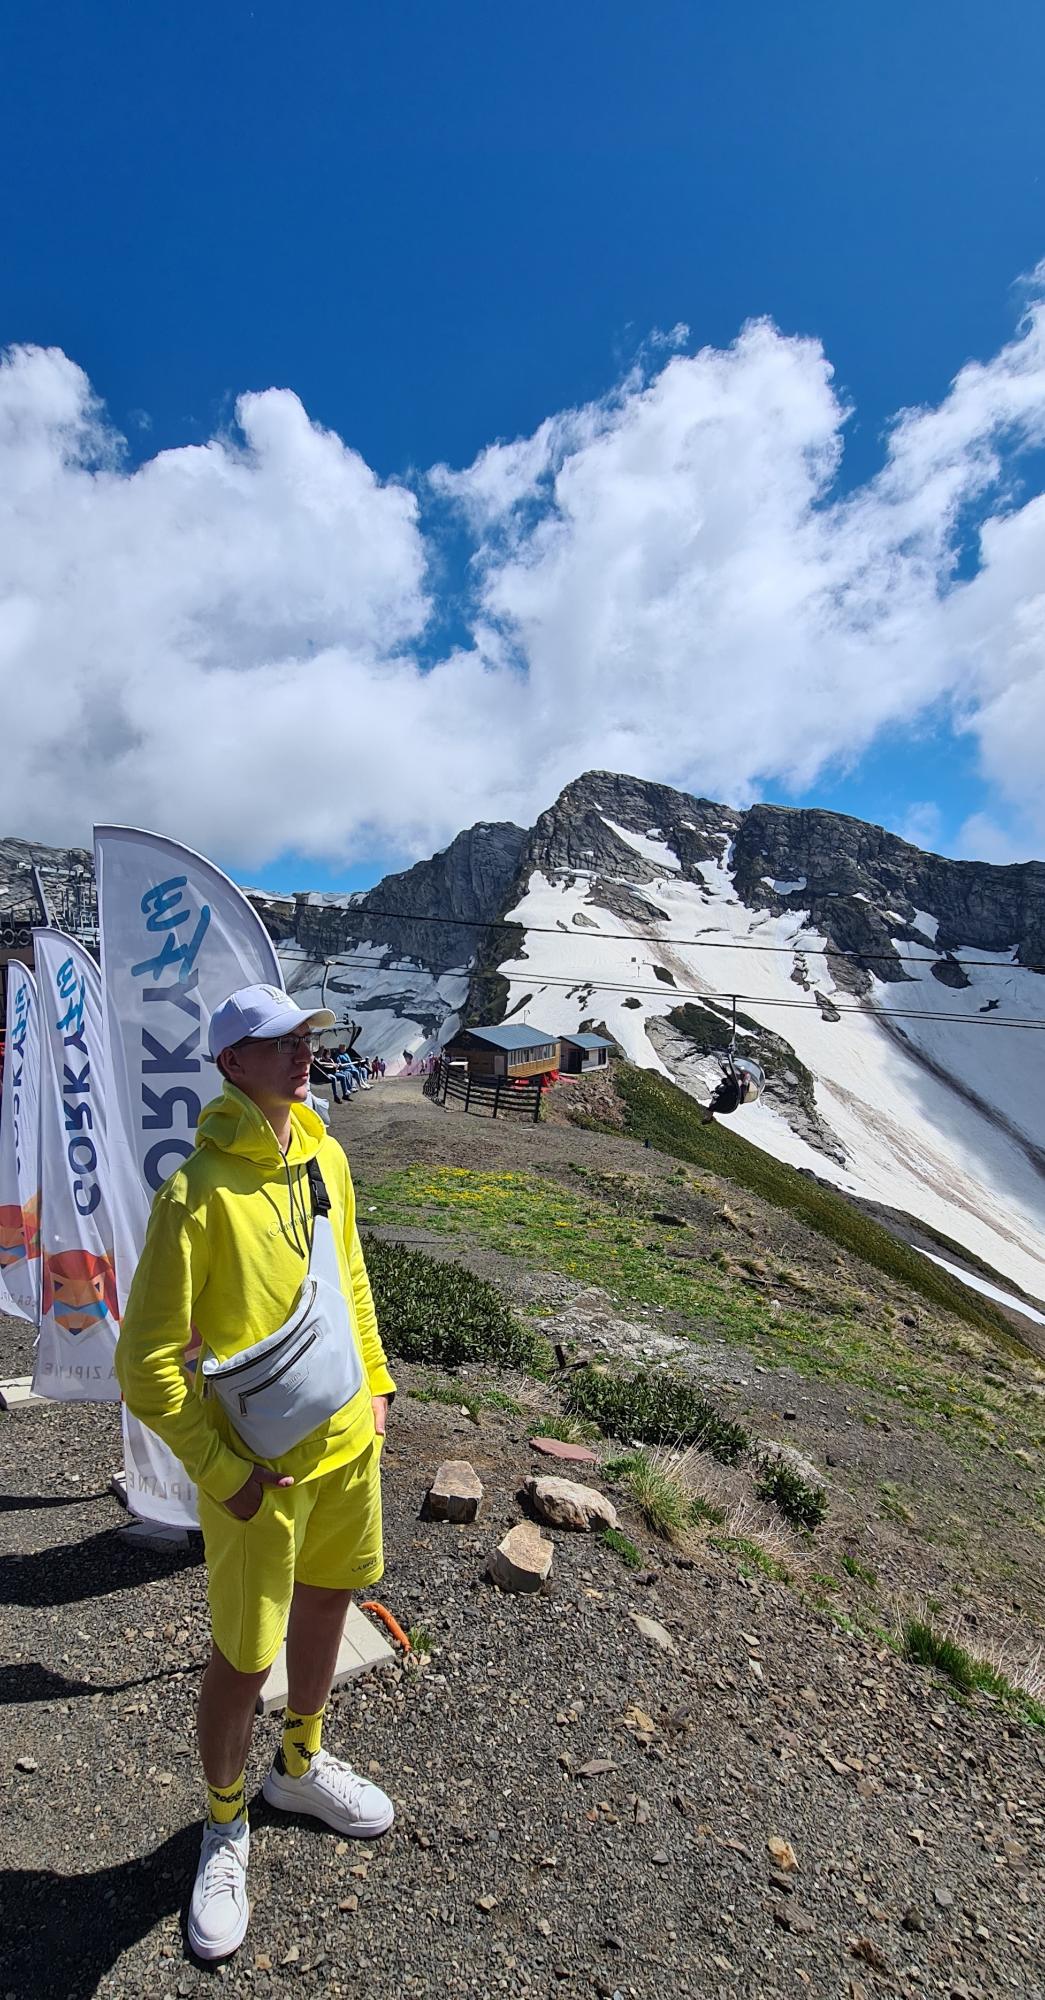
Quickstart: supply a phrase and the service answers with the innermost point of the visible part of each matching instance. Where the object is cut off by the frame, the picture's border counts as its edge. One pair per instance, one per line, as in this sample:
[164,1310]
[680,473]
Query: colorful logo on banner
[77,1091]
[19,1233]
[16,1041]
[79,1288]
[177,938]
[19,1149]
[78,1304]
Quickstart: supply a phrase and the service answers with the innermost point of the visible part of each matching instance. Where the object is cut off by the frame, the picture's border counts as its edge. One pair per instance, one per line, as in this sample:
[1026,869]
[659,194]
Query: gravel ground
[918,1823]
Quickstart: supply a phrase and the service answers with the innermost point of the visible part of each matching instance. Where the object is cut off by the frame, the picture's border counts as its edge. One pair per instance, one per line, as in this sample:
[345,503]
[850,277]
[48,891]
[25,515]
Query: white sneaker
[219,1912]
[331,1791]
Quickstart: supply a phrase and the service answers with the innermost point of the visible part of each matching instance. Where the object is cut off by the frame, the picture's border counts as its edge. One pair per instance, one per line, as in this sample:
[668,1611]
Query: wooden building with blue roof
[580,1053]
[507,1051]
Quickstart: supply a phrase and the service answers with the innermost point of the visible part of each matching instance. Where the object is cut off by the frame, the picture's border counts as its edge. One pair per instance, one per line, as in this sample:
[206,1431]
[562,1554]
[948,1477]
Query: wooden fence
[494,1097]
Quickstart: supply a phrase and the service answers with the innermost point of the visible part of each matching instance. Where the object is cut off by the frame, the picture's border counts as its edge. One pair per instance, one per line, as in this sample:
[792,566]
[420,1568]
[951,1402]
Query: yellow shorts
[326,1532]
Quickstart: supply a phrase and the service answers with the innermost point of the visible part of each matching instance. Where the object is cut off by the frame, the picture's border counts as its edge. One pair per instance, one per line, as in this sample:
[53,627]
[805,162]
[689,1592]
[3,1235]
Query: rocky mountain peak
[835,861]
[406,914]
[577,832]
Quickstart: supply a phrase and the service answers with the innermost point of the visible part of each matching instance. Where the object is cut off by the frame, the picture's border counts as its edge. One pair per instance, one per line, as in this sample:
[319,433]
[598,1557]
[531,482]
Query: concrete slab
[362,1649]
[152,1535]
[18,1394]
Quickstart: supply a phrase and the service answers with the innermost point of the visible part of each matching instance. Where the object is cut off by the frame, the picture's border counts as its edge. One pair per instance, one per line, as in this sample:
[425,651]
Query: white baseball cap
[259,1014]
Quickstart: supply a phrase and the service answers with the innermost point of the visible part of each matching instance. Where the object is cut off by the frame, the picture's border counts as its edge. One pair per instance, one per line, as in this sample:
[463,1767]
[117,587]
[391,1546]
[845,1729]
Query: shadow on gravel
[67,1931]
[94,1567]
[34,1682]
[17,1503]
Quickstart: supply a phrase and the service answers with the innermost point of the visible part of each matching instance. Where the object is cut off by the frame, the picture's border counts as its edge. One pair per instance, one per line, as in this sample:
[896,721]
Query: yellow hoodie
[225,1255]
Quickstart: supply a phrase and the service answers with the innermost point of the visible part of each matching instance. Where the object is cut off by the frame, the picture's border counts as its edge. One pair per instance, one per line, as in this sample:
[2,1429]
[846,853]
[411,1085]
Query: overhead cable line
[704,943]
[663,992]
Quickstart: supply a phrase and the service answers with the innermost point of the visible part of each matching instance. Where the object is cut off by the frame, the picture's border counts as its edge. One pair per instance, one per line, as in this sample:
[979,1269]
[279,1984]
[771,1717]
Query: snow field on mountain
[911,1141]
[1004,1067]
[356,986]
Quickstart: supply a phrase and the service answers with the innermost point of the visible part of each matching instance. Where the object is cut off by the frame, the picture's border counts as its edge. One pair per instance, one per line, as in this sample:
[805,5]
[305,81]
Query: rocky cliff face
[407,914]
[469,881]
[863,887]
[869,876]
[573,833]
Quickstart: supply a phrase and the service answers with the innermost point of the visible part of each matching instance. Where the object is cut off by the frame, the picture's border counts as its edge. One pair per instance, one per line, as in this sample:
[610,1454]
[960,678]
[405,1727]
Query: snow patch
[785,888]
[654,850]
[414,998]
[978,1284]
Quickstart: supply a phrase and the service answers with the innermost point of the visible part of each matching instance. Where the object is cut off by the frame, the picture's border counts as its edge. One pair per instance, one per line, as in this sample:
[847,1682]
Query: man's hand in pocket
[244,1504]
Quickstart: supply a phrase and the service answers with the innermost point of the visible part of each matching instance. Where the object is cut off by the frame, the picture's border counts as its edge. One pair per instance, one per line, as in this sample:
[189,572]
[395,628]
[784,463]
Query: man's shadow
[31,1681]
[66,1931]
[24,1503]
[94,1567]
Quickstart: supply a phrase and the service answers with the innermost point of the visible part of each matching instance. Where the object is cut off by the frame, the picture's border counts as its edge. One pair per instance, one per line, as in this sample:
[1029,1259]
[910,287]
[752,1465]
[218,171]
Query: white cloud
[224,643]
[981,838]
[922,825]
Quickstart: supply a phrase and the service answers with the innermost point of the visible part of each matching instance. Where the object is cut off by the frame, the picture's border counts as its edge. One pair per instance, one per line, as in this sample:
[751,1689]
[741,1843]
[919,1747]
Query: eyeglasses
[307,1044]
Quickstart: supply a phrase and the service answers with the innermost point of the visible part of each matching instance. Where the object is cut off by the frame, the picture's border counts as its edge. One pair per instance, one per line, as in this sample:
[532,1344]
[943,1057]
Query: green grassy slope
[670,1119]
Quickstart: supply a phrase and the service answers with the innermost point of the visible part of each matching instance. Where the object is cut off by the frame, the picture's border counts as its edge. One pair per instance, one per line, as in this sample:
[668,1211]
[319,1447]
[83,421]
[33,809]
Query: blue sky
[439,227]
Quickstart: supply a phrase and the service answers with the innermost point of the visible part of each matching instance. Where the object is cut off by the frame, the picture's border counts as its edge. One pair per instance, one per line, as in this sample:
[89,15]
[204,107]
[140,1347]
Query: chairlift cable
[705,943]
[578,984]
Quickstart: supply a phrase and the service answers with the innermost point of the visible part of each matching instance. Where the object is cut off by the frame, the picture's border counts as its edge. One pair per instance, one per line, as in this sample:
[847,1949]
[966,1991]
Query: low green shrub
[801,1504]
[611,1538]
[659,1495]
[924,1646]
[655,1410]
[440,1312]
[857,1570]
[751,1555]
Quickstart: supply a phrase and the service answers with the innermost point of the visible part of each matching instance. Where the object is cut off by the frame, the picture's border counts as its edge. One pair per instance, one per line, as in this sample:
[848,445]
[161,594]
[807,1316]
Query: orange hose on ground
[386,1618]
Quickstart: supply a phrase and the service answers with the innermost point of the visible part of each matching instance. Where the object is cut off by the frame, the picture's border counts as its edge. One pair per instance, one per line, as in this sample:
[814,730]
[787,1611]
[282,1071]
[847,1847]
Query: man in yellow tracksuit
[286,1541]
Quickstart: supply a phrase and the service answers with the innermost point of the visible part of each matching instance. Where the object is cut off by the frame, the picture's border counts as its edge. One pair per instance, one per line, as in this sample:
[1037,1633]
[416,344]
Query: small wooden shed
[584,1052]
[504,1051]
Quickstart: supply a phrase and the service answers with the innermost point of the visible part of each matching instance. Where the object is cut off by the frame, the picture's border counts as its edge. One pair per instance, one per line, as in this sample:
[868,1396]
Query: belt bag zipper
[270,1380]
[308,1300]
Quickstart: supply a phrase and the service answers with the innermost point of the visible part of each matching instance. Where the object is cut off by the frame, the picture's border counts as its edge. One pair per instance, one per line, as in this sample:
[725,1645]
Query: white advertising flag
[78,1309]
[177,938]
[20,1150]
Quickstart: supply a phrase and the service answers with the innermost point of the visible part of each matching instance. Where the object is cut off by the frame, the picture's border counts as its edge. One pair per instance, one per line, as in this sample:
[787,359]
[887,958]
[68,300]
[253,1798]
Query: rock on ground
[565,1504]
[522,1561]
[455,1493]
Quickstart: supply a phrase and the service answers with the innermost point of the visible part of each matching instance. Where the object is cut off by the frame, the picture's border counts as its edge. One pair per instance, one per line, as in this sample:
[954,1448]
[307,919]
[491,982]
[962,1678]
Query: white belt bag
[289,1384]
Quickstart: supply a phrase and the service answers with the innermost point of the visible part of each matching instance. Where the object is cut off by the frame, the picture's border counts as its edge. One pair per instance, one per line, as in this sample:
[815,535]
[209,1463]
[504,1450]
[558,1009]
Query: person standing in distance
[287,1539]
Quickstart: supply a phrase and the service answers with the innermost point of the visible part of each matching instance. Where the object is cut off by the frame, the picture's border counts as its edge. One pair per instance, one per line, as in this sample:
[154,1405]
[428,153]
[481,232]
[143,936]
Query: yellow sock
[302,1735]
[227,1802]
